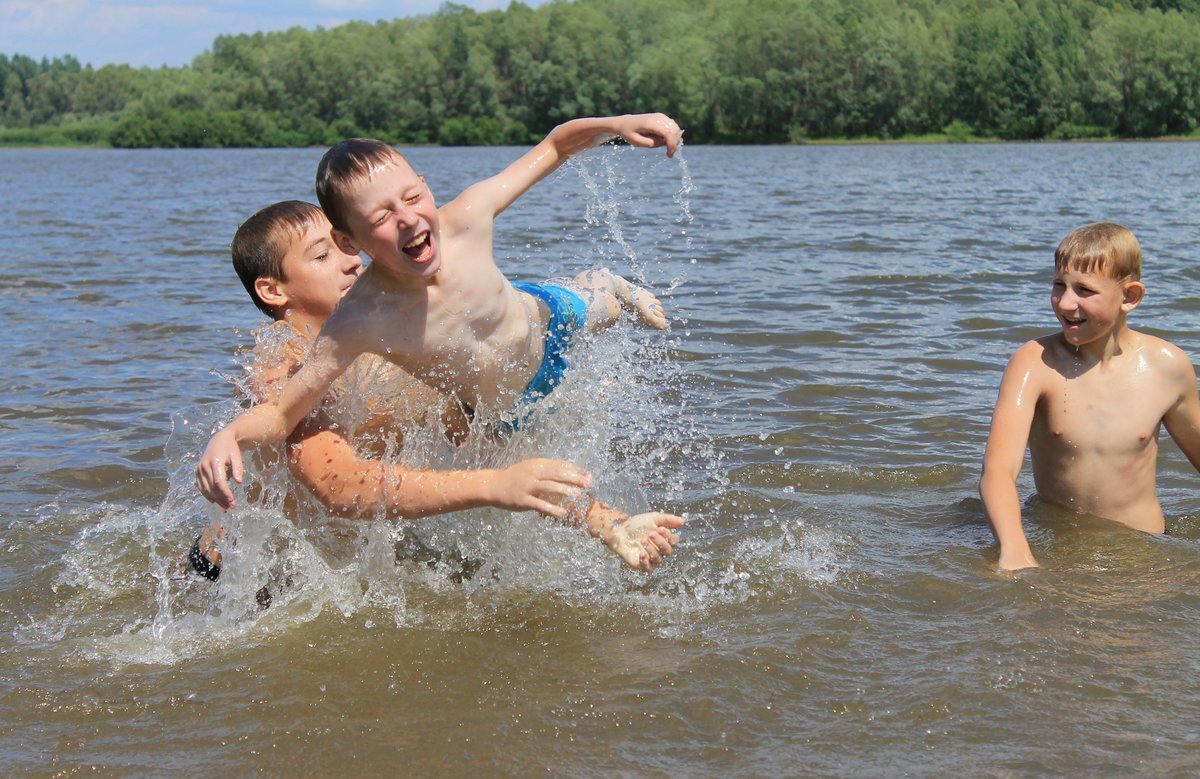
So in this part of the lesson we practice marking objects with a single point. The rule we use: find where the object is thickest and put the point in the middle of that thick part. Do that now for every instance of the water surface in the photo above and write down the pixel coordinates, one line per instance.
(841, 319)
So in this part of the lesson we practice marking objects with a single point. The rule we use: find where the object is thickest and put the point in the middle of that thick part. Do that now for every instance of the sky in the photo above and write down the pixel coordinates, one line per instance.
(172, 32)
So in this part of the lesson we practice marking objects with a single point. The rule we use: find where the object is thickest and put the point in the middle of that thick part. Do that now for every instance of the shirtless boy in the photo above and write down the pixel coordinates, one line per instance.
(296, 274)
(1089, 400)
(433, 301)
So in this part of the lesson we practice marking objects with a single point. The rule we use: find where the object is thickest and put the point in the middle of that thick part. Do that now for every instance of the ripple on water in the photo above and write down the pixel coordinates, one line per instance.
(821, 415)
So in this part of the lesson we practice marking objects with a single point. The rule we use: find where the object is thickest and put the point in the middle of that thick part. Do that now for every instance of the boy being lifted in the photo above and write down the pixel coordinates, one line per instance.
(1089, 400)
(433, 301)
(296, 274)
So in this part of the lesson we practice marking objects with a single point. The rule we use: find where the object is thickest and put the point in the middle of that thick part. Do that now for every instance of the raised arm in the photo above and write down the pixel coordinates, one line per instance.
(497, 193)
(1005, 453)
(1182, 420)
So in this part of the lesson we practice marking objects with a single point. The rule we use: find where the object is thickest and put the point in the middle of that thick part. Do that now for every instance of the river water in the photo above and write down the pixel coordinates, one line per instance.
(841, 318)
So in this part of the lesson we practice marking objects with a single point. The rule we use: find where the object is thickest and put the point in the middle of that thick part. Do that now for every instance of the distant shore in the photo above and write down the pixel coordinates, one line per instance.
(912, 140)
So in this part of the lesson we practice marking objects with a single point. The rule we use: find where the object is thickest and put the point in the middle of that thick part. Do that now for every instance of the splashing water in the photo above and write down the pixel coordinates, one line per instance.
(629, 411)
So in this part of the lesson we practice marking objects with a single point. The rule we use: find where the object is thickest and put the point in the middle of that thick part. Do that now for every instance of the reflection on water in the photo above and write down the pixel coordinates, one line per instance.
(818, 411)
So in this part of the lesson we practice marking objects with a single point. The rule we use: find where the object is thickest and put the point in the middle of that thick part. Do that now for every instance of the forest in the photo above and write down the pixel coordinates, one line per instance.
(730, 71)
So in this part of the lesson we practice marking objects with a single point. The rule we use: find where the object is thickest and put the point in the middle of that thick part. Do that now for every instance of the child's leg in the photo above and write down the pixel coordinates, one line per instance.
(606, 294)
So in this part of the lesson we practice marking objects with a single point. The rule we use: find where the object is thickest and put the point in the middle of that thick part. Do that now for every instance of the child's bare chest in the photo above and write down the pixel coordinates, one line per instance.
(1101, 413)
(465, 334)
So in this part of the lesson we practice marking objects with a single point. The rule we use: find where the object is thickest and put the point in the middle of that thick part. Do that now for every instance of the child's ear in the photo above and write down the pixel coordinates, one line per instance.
(1133, 292)
(270, 291)
(344, 242)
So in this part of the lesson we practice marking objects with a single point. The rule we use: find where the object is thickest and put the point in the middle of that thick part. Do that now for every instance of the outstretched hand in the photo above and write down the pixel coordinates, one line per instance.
(643, 540)
(221, 455)
(542, 485)
(650, 131)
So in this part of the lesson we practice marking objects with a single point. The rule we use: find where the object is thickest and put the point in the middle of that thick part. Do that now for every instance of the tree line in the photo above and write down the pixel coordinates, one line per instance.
(733, 71)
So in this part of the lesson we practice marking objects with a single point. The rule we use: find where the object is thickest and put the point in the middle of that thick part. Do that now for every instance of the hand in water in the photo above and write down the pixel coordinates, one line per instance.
(643, 540)
(1018, 561)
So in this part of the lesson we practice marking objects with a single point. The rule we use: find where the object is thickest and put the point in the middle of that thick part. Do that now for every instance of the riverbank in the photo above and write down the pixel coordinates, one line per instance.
(24, 141)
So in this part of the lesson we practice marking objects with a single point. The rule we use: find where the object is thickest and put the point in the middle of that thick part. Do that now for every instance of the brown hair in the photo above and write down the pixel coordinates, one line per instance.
(344, 164)
(261, 242)
(1101, 247)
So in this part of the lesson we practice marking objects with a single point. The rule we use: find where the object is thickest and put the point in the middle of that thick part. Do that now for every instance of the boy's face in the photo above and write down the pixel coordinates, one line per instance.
(1090, 305)
(318, 274)
(393, 218)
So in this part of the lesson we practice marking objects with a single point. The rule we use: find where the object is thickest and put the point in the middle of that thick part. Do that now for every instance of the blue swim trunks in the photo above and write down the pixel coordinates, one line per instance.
(568, 314)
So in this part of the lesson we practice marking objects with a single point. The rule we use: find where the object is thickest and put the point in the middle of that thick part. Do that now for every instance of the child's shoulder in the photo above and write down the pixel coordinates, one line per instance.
(1039, 350)
(1038, 360)
(279, 351)
(360, 305)
(1161, 354)
(1145, 340)
(467, 207)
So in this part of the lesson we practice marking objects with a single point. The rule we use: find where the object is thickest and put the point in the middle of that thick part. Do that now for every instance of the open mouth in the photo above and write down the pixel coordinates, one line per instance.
(419, 249)
(1073, 321)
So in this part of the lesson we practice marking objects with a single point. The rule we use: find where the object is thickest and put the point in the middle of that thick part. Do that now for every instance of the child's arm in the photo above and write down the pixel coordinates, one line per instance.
(497, 193)
(268, 422)
(350, 486)
(1005, 453)
(1182, 420)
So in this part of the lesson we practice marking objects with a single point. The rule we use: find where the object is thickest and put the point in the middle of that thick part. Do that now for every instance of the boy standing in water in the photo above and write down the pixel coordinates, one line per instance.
(1089, 400)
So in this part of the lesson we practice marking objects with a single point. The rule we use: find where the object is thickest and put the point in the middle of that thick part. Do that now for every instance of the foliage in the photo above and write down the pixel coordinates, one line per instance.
(740, 71)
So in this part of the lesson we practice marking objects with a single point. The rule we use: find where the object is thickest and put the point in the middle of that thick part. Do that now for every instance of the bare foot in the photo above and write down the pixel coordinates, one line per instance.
(647, 306)
(638, 301)
(643, 540)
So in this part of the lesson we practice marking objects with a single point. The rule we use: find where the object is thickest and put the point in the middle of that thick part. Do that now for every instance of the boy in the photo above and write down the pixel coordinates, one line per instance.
(1089, 400)
(296, 274)
(433, 301)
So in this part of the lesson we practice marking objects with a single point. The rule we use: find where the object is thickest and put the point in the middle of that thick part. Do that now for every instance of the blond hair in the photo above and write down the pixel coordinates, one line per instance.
(1101, 247)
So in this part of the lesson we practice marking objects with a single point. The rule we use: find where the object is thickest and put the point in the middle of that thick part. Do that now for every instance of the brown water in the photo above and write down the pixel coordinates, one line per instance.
(818, 411)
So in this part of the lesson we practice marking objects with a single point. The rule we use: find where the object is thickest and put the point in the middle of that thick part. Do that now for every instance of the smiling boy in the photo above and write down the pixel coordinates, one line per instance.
(1089, 400)
(434, 303)
(297, 274)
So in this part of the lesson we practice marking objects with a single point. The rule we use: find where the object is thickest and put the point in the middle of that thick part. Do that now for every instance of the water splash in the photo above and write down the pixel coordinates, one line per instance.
(615, 188)
(630, 410)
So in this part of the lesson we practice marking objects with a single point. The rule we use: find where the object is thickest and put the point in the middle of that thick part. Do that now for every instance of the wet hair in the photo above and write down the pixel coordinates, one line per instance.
(1101, 247)
(345, 164)
(261, 242)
